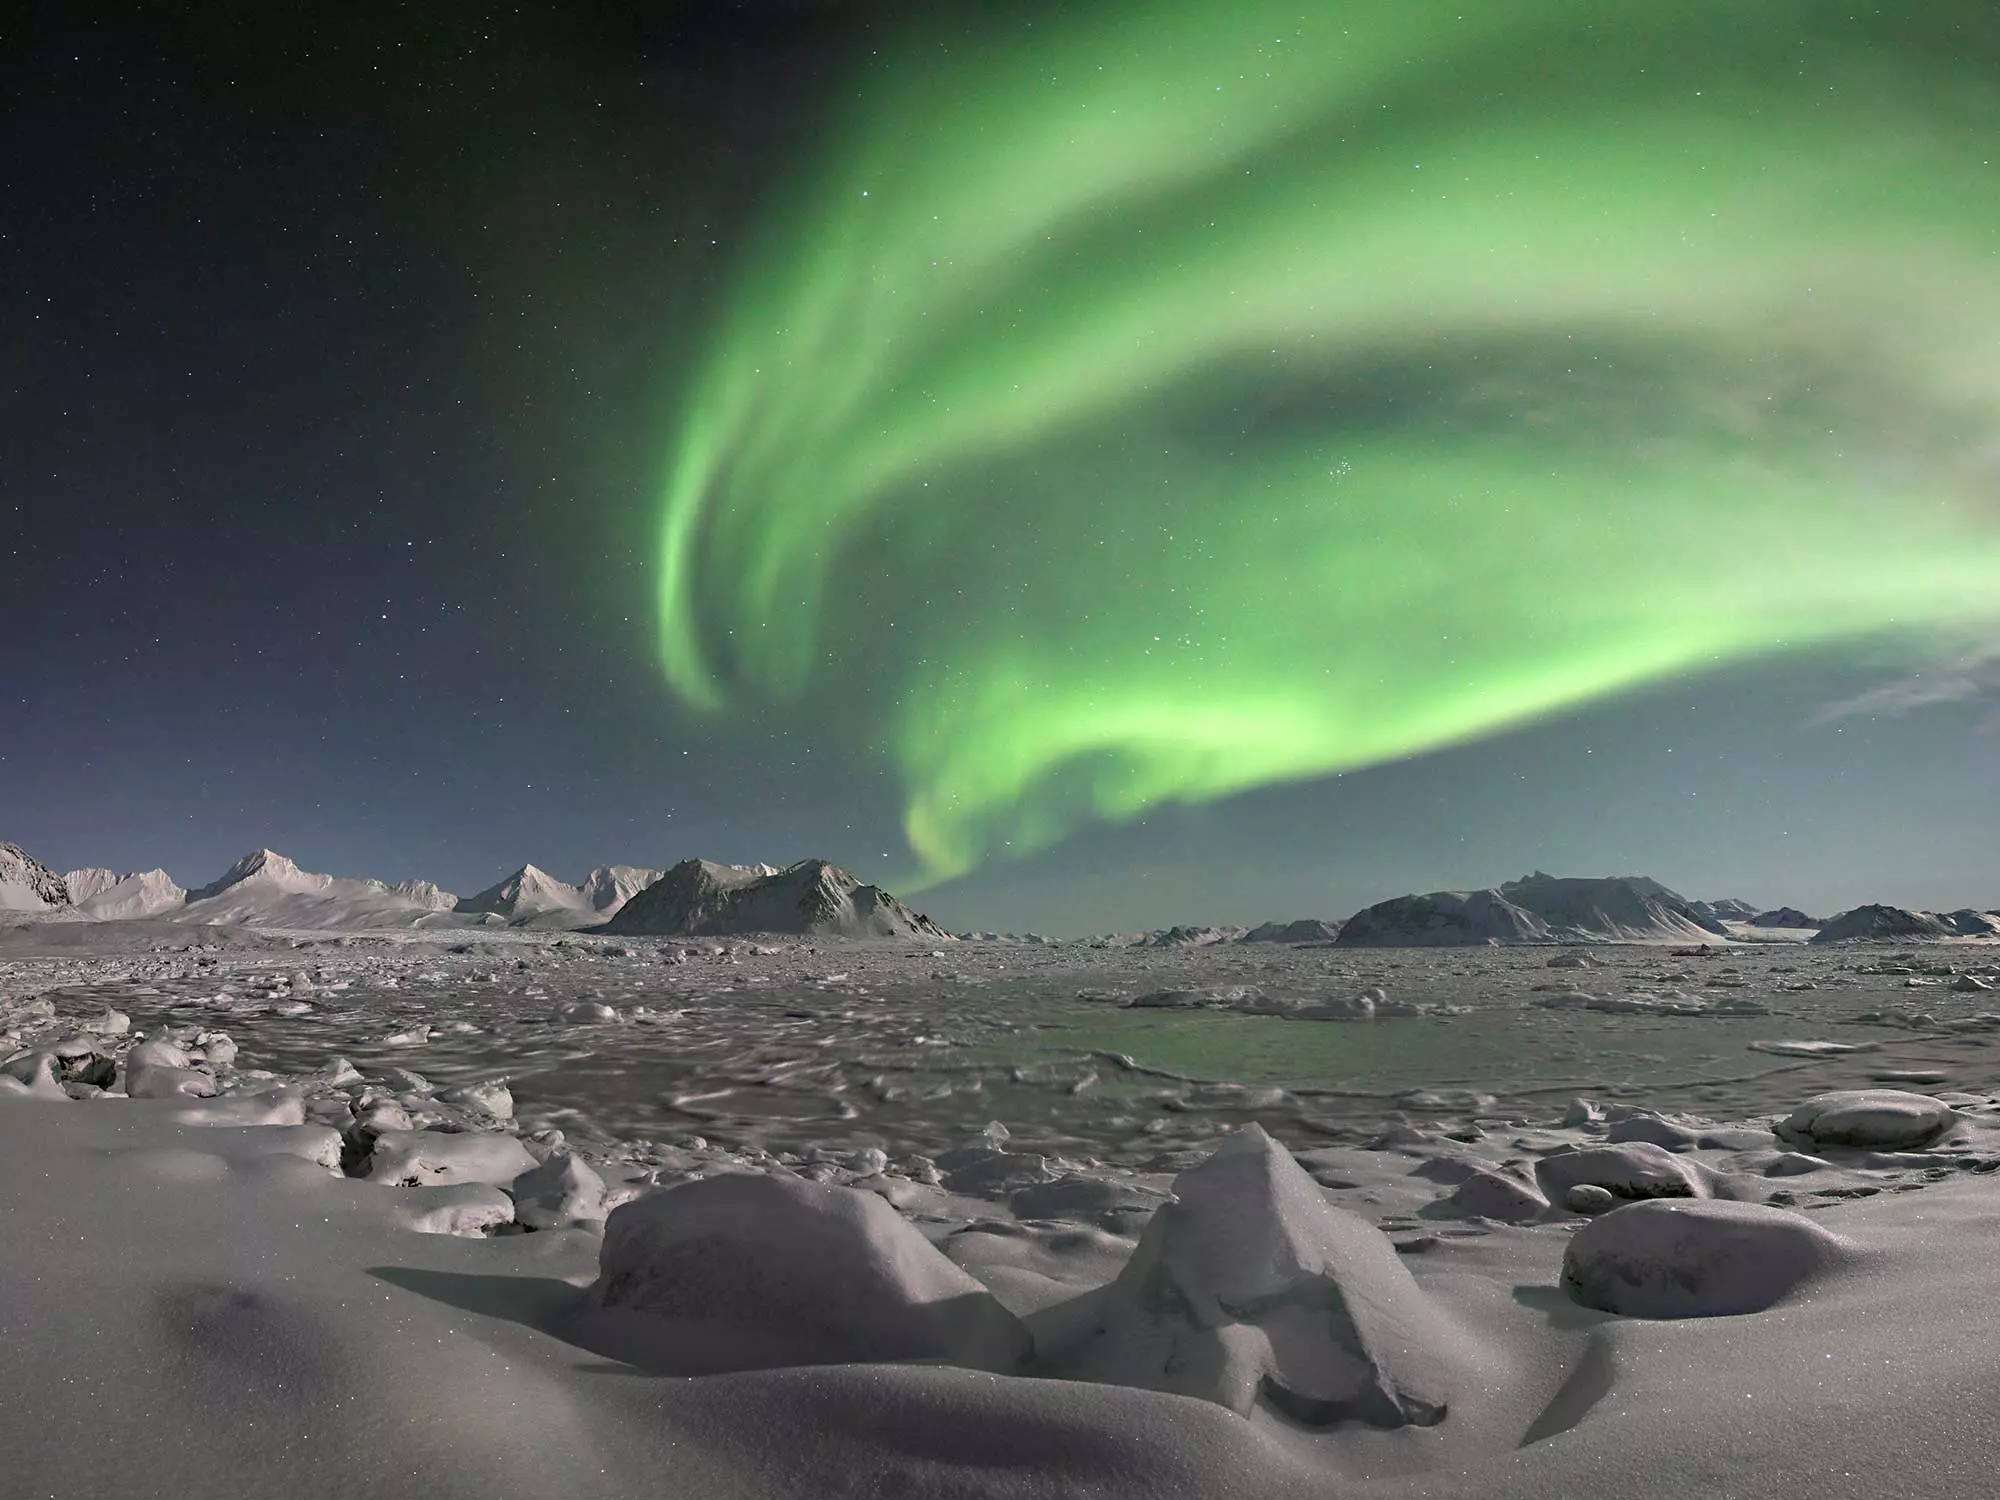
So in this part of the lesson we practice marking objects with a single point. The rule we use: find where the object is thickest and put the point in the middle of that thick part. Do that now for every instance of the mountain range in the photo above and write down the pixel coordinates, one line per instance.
(698, 897)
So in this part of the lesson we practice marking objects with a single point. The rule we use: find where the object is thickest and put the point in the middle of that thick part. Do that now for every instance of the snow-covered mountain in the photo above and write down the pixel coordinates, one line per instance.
(83, 884)
(1537, 908)
(426, 893)
(608, 887)
(1901, 924)
(145, 893)
(531, 897)
(265, 889)
(28, 885)
(700, 898)
(1784, 916)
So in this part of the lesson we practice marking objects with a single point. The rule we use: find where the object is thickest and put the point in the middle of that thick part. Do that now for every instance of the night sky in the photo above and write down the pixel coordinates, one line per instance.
(1190, 463)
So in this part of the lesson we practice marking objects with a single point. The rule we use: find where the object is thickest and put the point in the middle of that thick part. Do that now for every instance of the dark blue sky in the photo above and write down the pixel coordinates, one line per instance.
(336, 343)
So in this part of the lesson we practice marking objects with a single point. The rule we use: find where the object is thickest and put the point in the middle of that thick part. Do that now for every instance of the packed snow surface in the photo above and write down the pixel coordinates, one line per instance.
(464, 1212)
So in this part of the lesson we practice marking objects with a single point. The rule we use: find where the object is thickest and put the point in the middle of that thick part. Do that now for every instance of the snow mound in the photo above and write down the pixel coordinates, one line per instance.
(1701, 1259)
(1537, 908)
(1305, 930)
(746, 1271)
(608, 887)
(697, 898)
(26, 884)
(1250, 1289)
(1877, 921)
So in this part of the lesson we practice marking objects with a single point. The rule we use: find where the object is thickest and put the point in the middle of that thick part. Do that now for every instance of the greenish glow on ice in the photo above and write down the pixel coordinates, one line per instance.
(1203, 394)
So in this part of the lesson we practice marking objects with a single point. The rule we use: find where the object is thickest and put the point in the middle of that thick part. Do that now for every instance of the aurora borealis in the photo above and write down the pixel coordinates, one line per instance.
(1151, 406)
(1100, 466)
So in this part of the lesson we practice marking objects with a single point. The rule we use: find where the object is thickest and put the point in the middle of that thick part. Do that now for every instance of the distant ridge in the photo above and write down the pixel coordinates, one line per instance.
(1900, 924)
(698, 898)
(1305, 930)
(107, 897)
(1537, 908)
(265, 889)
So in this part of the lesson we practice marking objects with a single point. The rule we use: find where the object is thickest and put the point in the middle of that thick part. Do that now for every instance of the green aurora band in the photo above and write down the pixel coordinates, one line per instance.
(1183, 398)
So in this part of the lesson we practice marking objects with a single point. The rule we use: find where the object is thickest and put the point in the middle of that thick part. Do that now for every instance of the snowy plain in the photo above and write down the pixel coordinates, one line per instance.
(1241, 1220)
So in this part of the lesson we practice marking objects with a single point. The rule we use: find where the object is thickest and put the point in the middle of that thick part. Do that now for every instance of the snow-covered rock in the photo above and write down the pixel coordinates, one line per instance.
(430, 1158)
(1250, 1288)
(489, 1095)
(157, 1069)
(1882, 1119)
(562, 1189)
(1631, 1170)
(1701, 1259)
(469, 1210)
(698, 898)
(1492, 1194)
(746, 1271)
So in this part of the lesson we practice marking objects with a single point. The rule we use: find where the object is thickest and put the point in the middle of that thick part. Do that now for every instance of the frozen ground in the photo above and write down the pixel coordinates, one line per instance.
(318, 1279)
